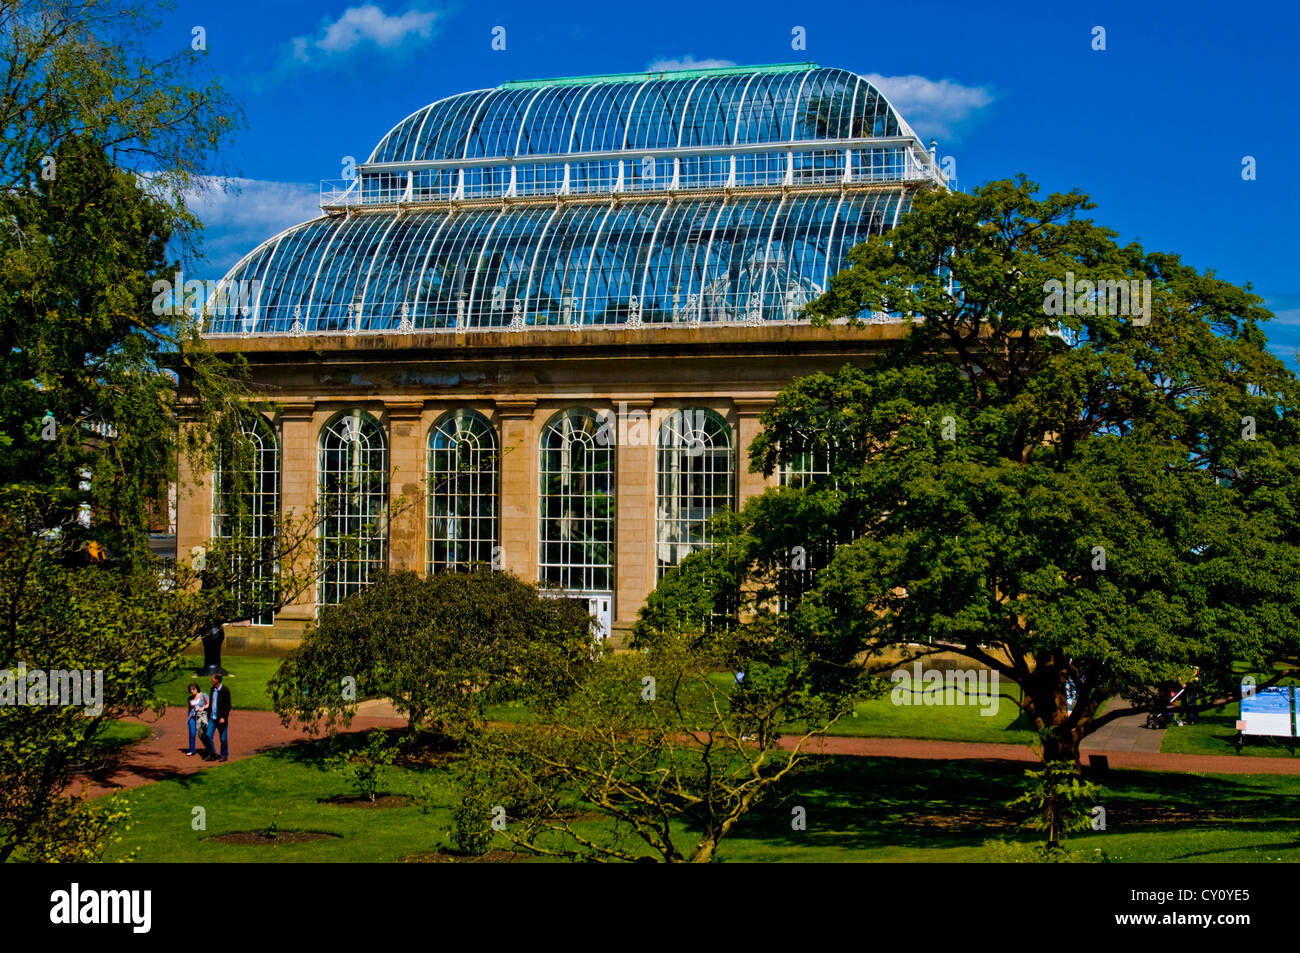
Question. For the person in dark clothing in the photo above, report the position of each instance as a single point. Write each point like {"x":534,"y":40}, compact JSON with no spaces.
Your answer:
{"x":1191,"y":693}
{"x":218,"y":720}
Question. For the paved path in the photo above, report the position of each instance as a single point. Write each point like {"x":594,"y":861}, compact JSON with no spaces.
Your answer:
{"x":161,"y":756}
{"x":1129,"y":733}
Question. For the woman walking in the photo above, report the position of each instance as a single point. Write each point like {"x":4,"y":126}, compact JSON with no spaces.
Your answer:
{"x":198,"y":716}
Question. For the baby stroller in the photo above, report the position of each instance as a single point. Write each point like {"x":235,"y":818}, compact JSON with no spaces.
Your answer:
{"x":1163,"y":717}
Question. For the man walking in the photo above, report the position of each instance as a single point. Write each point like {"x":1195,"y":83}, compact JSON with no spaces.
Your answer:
{"x":219,"y":720}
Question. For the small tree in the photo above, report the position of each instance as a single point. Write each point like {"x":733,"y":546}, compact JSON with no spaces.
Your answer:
{"x":670,"y":747}
{"x":440,"y":648}
{"x":1059,"y":800}
{"x":114,"y":631}
{"x":362,"y":766}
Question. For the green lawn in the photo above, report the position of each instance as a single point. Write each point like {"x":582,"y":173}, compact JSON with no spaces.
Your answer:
{"x":858,"y":809}
{"x":246,"y":681}
{"x":1217,"y":734}
{"x":118,"y":734}
{"x":956,"y":721}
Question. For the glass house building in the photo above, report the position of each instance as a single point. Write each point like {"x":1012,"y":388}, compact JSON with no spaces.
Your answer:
{"x":539,"y":325}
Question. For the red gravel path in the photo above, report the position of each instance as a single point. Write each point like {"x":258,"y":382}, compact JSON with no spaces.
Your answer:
{"x":161,"y":756}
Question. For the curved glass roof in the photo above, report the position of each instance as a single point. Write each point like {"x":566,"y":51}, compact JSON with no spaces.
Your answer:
{"x":763,"y":180}
{"x":579,"y":264}
{"x":724,"y":107}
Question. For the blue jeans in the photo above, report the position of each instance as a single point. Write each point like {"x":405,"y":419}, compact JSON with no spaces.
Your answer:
{"x":215,"y":731}
{"x":193,"y":731}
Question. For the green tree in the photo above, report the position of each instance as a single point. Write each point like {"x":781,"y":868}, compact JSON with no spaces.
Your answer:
{"x":671,"y":746}
{"x":1089,"y":499}
{"x":122,"y":628}
{"x":440,"y":648}
{"x":667,"y":750}
{"x":99,"y":146}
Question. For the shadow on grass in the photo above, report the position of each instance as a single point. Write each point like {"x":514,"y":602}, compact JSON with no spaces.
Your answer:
{"x":865,"y":803}
{"x":1218,"y":851}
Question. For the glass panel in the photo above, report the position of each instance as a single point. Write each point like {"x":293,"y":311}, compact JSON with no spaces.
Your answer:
{"x":462,"y":492}
{"x":245,"y":513}
{"x":695,"y":466}
{"x":352,"y":493}
{"x":576,"y":537}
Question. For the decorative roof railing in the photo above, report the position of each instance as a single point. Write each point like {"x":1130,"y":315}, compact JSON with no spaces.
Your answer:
{"x":884,"y":160}
{"x":360,"y":323}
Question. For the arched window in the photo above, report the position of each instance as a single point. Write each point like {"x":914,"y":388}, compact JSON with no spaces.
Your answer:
{"x":462,"y":498}
{"x":352,"y":481}
{"x":245,"y":511}
{"x":695,"y":465}
{"x":576,"y":550}
{"x":807,"y":462}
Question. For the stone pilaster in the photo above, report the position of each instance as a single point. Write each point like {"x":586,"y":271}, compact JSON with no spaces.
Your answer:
{"x":406,"y":485}
{"x":519,"y":513}
{"x":634,"y":502}
{"x":747,"y":413}
{"x":298,"y":436}
{"x":193,"y":507}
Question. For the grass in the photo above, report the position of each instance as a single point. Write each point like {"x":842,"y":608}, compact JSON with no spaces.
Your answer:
{"x":119,"y":734}
{"x":857,"y":809}
{"x":1216,"y":733}
{"x":956,"y":719}
{"x":899,"y":810}
{"x":247,"y":681}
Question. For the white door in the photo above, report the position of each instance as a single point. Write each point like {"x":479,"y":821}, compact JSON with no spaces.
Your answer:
{"x":601,"y":605}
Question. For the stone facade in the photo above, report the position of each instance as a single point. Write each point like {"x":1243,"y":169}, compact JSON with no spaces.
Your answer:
{"x":518,"y":381}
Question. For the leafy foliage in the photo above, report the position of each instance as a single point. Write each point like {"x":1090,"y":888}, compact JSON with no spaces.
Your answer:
{"x":1059,"y":798}
{"x":1091,"y":500}
{"x":124,"y":627}
{"x":362,"y":767}
{"x":670,"y":746}
{"x":441,"y":648}
{"x":98,"y":146}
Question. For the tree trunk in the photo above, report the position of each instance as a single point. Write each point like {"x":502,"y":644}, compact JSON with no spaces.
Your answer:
{"x":703,"y":852}
{"x":1049,"y":713}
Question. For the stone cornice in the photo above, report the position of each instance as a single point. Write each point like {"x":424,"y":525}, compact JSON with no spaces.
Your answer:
{"x":751,"y":407}
{"x":521,"y":407}
{"x":404,"y":408}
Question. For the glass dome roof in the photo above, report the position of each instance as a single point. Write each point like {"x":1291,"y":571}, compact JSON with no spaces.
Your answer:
{"x":720,"y":107}
{"x":757,"y":183}
{"x":705,"y":261}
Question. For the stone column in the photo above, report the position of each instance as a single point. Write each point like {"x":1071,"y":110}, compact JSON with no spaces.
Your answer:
{"x":406,"y":468}
{"x":193,"y":508}
{"x":747,"y":413}
{"x":519,"y":515}
{"x":634,"y":503}
{"x":298,"y":502}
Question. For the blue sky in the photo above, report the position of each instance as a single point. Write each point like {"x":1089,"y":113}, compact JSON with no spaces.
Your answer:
{"x":1155,"y":127}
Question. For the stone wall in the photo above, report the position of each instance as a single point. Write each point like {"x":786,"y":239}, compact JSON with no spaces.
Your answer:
{"x":518,"y":381}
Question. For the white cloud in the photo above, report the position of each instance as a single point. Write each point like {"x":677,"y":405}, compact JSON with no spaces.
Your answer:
{"x":931,"y":107}
{"x":240,"y":214}
{"x":367,"y":24}
{"x":686,"y":62}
